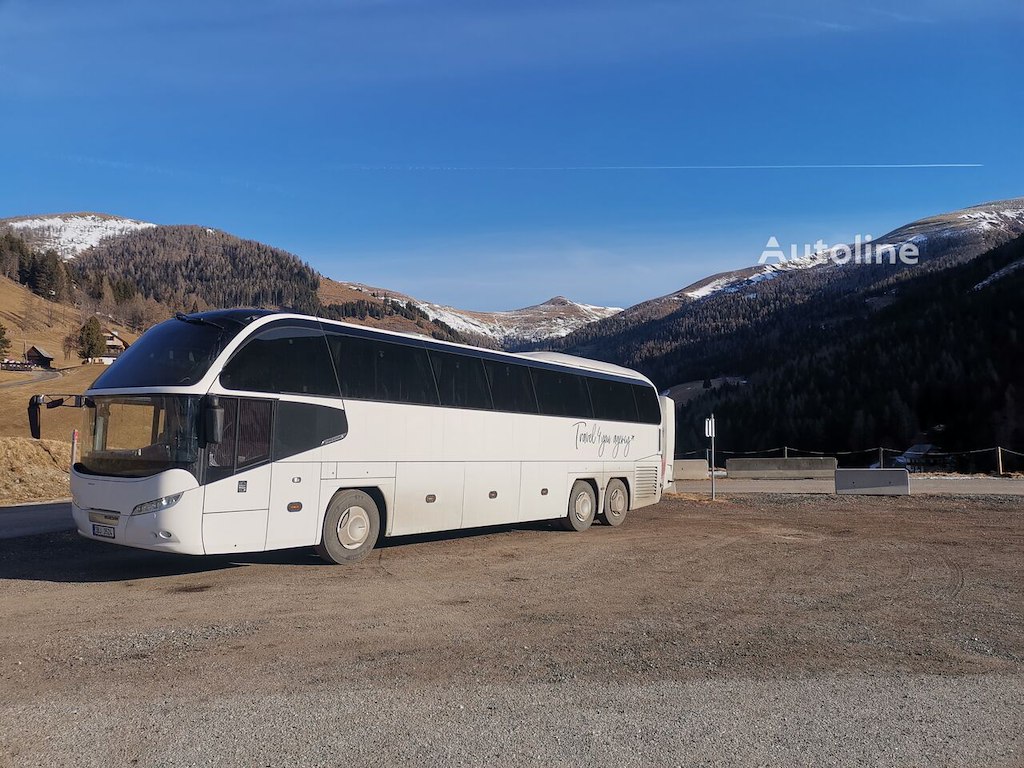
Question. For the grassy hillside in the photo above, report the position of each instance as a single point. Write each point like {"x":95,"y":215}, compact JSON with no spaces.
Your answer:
{"x":382,"y":310}
{"x":32,"y":320}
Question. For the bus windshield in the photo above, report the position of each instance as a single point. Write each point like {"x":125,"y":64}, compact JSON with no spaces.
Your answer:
{"x":137,"y":436}
{"x":176,"y":353}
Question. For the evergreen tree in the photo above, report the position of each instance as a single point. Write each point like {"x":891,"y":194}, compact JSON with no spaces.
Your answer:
{"x":5,"y":343}
{"x":90,"y":339}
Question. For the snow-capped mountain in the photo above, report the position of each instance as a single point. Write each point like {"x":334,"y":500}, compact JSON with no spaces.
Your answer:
{"x":552,"y":319}
{"x":951,"y":236}
{"x":71,"y":233}
{"x":943,"y":240}
{"x":727,"y":321}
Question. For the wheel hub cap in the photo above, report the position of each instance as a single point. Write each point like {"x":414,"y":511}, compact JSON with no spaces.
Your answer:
{"x":584,"y":508}
{"x":616,"y":503}
{"x":353,"y":527}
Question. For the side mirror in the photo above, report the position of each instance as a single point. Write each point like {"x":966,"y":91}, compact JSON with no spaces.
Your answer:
{"x":36,"y":404}
{"x":214,"y":422}
{"x":33,"y":416}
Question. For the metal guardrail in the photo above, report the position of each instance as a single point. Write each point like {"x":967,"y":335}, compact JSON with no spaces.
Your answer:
{"x":937,"y":460}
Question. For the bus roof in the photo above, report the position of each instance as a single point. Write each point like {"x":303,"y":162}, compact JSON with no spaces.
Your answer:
{"x":581,"y":362}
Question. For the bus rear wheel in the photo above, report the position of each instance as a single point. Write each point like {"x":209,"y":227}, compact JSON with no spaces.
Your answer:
{"x":582,"y":506}
{"x":351,"y":528}
{"x":616,"y":503}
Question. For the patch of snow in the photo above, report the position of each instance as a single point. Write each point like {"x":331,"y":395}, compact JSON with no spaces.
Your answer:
{"x":999,"y":274}
{"x":713,"y":286}
{"x":72,"y":234}
{"x":809,"y":261}
{"x":550,"y":320}
{"x":453,"y":319}
{"x":987,"y":220}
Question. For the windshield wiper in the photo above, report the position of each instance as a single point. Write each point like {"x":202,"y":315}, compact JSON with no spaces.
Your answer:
{"x":195,"y":320}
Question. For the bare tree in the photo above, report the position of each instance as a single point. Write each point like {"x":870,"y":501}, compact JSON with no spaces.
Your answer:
{"x":28,"y":311}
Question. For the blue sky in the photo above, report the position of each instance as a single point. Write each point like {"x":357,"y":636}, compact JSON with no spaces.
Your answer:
{"x":490,"y":155}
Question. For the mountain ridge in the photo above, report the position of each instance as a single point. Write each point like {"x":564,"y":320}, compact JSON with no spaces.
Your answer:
{"x":954,"y":232}
{"x":552,"y":318}
{"x":558,"y":323}
{"x":93,"y":238}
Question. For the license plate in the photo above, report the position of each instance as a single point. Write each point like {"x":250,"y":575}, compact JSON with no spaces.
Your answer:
{"x":106,"y":531}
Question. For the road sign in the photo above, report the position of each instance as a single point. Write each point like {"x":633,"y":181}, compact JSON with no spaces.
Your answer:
{"x":709,"y":431}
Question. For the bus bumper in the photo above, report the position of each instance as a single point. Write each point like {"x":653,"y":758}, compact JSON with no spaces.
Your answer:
{"x":107,"y":516}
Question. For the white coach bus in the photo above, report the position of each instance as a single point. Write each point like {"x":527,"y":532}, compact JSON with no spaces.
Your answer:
{"x":248,"y":430}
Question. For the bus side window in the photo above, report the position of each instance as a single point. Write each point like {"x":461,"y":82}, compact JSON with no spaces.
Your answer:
{"x":247,"y":429}
{"x":511,"y":387}
{"x":283,"y":360}
{"x":255,"y":418}
{"x":303,"y":426}
{"x":379,"y":370}
{"x":613,"y":400}
{"x":355,"y":361}
{"x":647,"y":405}
{"x":404,"y":374}
{"x":221,"y":457}
{"x":560,"y":393}
{"x":461,"y":382}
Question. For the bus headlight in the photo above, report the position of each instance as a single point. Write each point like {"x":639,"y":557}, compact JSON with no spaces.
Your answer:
{"x":157,"y":504}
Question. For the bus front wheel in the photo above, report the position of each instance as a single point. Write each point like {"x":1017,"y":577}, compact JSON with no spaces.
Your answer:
{"x":351,"y":528}
{"x":616,"y":503}
{"x":582,"y":507}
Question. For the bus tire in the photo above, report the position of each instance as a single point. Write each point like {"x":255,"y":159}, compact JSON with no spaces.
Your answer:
{"x":582,"y":506}
{"x":616,"y":504}
{"x":351,"y":528}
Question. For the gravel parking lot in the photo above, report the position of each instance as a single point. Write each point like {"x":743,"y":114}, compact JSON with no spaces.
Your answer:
{"x":761,"y":629}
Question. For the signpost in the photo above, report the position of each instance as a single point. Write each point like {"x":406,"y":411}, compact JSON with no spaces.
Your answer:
{"x":709,"y":431}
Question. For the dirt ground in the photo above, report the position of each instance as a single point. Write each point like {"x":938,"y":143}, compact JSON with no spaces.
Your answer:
{"x":757,"y":629}
{"x":33,"y":469}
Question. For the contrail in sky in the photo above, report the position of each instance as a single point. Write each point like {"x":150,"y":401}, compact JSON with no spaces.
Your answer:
{"x":823,"y":166}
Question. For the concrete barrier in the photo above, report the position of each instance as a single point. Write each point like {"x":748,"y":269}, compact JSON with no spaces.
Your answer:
{"x":873,"y":482}
{"x":690,"y":469}
{"x":781,"y":469}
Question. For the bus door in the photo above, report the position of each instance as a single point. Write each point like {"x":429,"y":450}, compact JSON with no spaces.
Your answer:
{"x":300,"y":431}
{"x":238,"y":477}
{"x":294,"y":503}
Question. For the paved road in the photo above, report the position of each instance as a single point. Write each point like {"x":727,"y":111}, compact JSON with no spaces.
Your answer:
{"x":30,"y":519}
{"x":944,"y":486}
{"x":35,"y":377}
